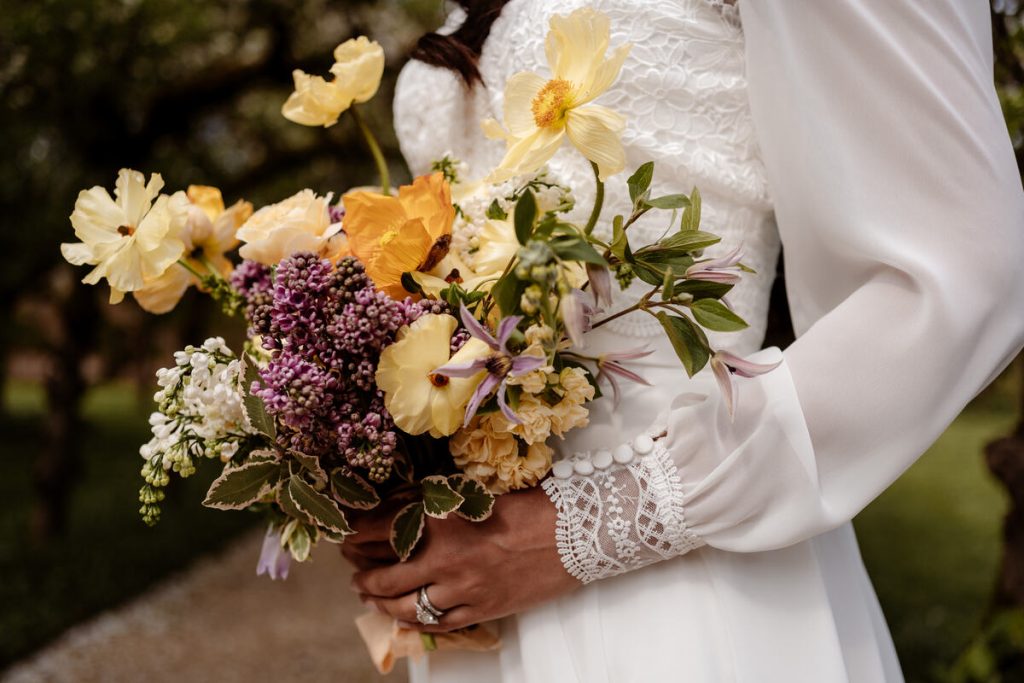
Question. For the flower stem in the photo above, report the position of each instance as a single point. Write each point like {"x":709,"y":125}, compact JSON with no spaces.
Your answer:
{"x":187,"y":266}
{"x":598,"y":200}
{"x":378,"y":156}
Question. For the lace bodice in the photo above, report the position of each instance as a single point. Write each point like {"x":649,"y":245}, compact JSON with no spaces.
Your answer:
{"x":683,"y":91}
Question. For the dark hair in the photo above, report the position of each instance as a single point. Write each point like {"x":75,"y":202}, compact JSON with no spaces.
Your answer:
{"x":460,"y":51}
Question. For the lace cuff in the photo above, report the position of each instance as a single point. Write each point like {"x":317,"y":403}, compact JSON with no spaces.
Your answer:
{"x":619,"y":510}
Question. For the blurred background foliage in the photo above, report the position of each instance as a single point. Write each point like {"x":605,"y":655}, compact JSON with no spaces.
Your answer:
{"x":193,"y":91}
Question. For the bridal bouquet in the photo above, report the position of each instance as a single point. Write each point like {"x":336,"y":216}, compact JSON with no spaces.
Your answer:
{"x":420,"y":348}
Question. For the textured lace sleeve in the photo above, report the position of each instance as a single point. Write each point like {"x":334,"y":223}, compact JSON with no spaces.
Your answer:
{"x":900,"y":207}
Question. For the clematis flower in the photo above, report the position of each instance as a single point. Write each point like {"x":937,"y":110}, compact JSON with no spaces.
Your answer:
{"x":499,"y":364}
{"x":404,"y":234}
{"x":575,"y":313}
{"x":274,"y":558}
{"x":207,"y":235}
{"x":724,"y":365}
{"x":418,"y":397}
{"x":725,"y":269}
{"x":541,"y":112}
{"x":357,"y":72}
{"x":600,"y":278}
{"x":131,"y":238}
{"x":610,"y":365}
{"x":301,"y":223}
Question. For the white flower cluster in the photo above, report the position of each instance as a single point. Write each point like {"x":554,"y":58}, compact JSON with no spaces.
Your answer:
{"x":199,"y":414}
{"x":477,"y":203}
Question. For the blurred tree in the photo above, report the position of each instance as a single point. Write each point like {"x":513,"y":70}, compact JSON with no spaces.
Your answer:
{"x":190,"y":90}
{"x":996,"y":654}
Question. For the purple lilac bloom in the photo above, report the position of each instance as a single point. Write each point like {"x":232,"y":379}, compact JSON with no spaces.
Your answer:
{"x":325,"y":327}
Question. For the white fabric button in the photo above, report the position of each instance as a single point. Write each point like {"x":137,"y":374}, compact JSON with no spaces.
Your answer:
{"x":602,"y":460}
{"x":562,"y":469}
{"x":643,"y":444}
{"x":584,"y":467}
{"x":623,"y":454}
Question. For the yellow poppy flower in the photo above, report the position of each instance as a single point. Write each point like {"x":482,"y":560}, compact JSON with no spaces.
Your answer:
{"x":131,"y":238}
{"x":404,"y":234}
{"x":357,"y":71}
{"x":208,"y":234}
{"x":419,"y":400}
{"x":540,"y":112}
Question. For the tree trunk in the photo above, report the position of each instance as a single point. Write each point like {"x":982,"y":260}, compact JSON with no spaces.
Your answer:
{"x":1005,"y":458}
{"x":59,"y":462}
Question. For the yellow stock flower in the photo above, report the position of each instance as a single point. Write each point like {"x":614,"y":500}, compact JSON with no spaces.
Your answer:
{"x":419,"y":400}
{"x":128,"y":239}
{"x":541,"y":112}
{"x":357,"y":71}
{"x":491,"y":454}
{"x":208,"y":234}
{"x":300,"y":223}
{"x":404,"y":234}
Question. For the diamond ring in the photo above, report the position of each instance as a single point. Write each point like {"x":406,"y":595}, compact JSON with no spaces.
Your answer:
{"x":426,"y":613}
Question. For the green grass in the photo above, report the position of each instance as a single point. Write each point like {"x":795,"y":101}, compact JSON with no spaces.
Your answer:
{"x":108,"y":555}
{"x":931,"y":544}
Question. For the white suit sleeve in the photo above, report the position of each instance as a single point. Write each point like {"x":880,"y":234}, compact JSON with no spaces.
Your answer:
{"x":900,"y":209}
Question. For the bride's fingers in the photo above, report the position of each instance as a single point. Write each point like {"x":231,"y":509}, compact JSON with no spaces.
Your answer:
{"x":403,"y":608}
{"x":392,"y":581}
{"x":460,"y":617}
{"x":364,"y":558}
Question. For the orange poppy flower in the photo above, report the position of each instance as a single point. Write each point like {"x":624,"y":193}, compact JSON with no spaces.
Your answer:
{"x":395,"y":235}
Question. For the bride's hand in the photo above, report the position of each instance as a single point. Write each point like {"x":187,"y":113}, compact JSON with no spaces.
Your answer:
{"x":474,"y":571}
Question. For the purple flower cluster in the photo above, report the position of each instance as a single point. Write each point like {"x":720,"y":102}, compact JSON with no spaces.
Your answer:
{"x":325,"y":327}
{"x":254,"y":282}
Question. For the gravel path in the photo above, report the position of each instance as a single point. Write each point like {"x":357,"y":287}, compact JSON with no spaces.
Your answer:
{"x":219,"y":622}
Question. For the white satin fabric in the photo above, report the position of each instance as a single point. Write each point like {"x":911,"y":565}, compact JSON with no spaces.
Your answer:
{"x":899,"y":203}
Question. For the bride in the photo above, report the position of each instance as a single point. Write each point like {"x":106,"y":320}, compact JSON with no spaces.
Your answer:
{"x":869,"y":133}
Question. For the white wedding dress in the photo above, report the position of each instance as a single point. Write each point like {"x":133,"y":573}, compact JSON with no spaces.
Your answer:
{"x":871,"y":131}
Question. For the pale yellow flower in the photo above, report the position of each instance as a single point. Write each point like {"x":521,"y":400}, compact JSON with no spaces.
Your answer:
{"x":357,"y":72}
{"x":300,"y":223}
{"x":419,"y":400}
{"x":566,"y":416}
{"x":540,"y":112}
{"x":577,"y":389}
{"x":496,"y":458}
{"x":208,"y":234}
{"x":498,"y":246}
{"x":535,"y":420}
{"x":532,"y":382}
{"x":131,"y":238}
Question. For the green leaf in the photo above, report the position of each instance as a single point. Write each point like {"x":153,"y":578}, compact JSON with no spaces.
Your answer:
{"x":525,"y":217}
{"x":439,"y":499}
{"x":666,"y":284}
{"x":255,"y":411}
{"x":477,"y":503}
{"x":407,"y":529}
{"x":288,"y":506}
{"x":650,"y":274}
{"x":702,"y":289}
{"x":410,"y":285}
{"x":495,"y":212}
{"x":715,"y":315}
{"x":688,"y":340}
{"x":311,"y":465}
{"x":620,"y":245}
{"x":240,"y":487}
{"x":640,"y":182}
{"x":299,"y":543}
{"x":669,"y":201}
{"x":353,"y":491}
{"x":576,"y":249}
{"x":689,"y":241}
{"x":691,"y":217}
{"x":324,"y":511}
{"x":507,"y":292}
